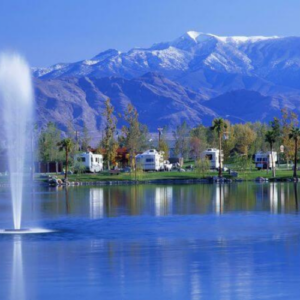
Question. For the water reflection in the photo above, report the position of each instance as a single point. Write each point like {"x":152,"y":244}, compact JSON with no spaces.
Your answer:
{"x":296,"y":195}
{"x":198,"y":253}
{"x":17,"y":280}
{"x":96,"y":203}
{"x":163,"y":201}
{"x":219,"y":198}
{"x":282,"y":197}
{"x":274,"y":198}
{"x":114,"y":201}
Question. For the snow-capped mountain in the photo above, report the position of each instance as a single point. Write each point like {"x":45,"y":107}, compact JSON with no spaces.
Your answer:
{"x":196,"y":77}
{"x":191,"y":58}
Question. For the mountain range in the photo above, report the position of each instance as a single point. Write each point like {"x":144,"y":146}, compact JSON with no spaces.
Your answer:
{"x":195,"y":78}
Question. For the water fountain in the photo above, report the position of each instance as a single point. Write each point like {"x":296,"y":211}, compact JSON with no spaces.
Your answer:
{"x":16,"y":99}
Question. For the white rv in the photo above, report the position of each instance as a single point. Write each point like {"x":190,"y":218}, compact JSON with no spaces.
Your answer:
{"x":263,"y":160}
{"x":92,"y":162}
{"x":212,"y":154}
{"x":150,"y":160}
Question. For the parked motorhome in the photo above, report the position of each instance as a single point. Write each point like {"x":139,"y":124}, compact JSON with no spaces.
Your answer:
{"x":263,"y":160}
{"x":212,"y":154}
{"x":150,"y":160}
{"x":92,"y":162}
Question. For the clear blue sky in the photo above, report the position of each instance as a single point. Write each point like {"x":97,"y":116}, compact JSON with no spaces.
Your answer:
{"x":51,"y":31}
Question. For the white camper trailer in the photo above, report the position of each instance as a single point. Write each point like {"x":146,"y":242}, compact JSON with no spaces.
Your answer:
{"x":263,"y":160}
{"x":212,"y":154}
{"x":92,"y":162}
{"x":150,"y":160}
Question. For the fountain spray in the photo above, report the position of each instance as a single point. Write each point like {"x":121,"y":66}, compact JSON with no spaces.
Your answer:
{"x":17,"y":102}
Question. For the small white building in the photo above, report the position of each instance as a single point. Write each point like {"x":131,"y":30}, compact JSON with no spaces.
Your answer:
{"x":150,"y":160}
{"x":92,"y":162}
{"x":263,"y":160}
{"x":212,"y":155}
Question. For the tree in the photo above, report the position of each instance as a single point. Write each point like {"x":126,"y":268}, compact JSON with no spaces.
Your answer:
{"x":181,"y":136}
{"x":272,"y":136}
{"x":135,"y":135}
{"x":244,"y":138}
{"x":73,"y":135}
{"x":195,"y":147}
{"x":86,"y":139}
{"x":288,"y":121}
{"x":47,"y":143}
{"x":219,"y":126}
{"x":295,"y":135}
{"x":66,"y":145}
{"x":162,"y":144}
{"x":259,"y":144}
{"x":242,"y":162}
{"x":202,"y":165}
{"x":109,"y":143}
{"x":198,"y":141}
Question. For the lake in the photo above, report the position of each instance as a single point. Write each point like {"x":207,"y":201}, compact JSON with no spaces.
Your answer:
{"x":236,"y":241}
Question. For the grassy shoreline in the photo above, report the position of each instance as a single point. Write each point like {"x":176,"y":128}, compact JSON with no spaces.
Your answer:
{"x":175,"y":175}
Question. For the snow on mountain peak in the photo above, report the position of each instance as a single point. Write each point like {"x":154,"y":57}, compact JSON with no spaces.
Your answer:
{"x":245,"y":39}
{"x":193,"y":34}
{"x":200,"y":36}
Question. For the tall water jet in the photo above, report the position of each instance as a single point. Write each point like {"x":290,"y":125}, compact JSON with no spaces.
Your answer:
{"x":16,"y":99}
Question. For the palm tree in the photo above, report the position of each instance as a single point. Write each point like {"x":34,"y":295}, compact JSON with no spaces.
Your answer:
{"x":270,"y":138}
{"x":66,"y":145}
{"x":219,"y":126}
{"x":295,"y":135}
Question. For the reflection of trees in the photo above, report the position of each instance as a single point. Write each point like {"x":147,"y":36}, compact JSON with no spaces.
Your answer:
{"x":162,"y":200}
{"x":296,"y":195}
{"x":67,"y":200}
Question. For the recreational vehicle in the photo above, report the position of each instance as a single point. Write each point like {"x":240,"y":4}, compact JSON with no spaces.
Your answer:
{"x":263,"y":160}
{"x":150,"y":160}
{"x":212,"y":155}
{"x":92,"y":162}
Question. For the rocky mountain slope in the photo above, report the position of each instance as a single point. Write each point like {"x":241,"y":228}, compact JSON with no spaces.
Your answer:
{"x":194,"y":78}
{"x":158,"y":100}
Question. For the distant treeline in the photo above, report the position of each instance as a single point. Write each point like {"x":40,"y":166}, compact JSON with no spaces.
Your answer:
{"x":238,"y":140}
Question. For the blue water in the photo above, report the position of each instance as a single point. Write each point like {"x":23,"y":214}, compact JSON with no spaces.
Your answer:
{"x":172,"y":242}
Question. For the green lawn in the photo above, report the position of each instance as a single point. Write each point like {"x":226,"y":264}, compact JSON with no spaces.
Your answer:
{"x":104,"y":176}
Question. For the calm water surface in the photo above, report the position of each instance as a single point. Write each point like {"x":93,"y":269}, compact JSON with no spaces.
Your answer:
{"x":239,"y":241}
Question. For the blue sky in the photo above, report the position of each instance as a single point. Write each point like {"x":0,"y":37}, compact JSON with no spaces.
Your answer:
{"x":51,"y":31}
